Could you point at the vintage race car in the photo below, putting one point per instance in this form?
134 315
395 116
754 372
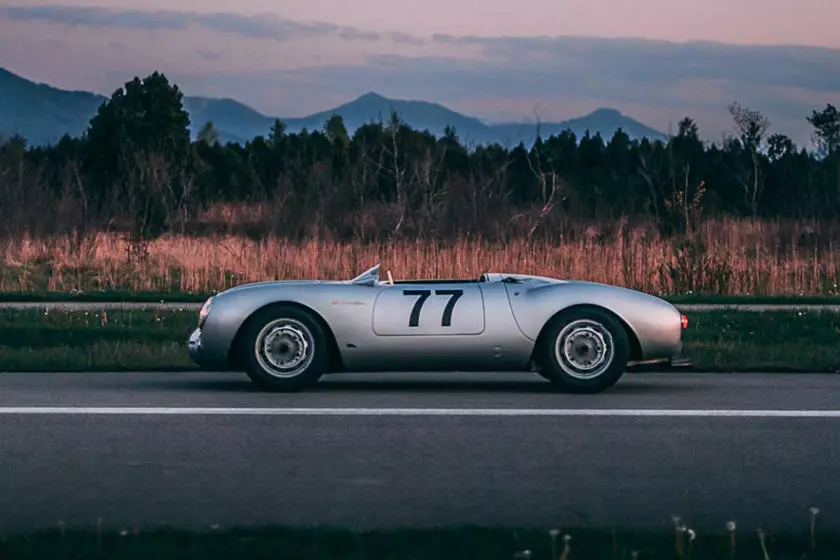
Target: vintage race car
582 336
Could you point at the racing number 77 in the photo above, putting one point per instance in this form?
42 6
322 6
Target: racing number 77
423 295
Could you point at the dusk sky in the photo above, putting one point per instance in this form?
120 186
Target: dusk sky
655 60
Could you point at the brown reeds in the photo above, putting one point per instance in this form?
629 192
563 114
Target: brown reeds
725 256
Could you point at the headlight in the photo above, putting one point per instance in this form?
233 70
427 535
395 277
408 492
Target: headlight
205 310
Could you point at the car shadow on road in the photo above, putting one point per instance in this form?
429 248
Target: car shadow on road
635 385
332 386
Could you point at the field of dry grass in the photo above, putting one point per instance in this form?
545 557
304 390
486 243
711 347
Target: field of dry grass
724 257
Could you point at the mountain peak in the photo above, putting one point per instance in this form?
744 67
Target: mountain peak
43 114
372 96
606 112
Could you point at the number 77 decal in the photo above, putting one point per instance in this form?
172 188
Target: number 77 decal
423 295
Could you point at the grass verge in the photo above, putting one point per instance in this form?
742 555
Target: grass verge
742 341
442 544
120 340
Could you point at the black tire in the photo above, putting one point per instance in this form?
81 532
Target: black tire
299 336
602 337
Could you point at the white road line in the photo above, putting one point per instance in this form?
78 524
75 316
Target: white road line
664 413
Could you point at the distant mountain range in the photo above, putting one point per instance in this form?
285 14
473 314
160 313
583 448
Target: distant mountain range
43 114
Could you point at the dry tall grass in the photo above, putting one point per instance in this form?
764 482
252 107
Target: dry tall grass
726 257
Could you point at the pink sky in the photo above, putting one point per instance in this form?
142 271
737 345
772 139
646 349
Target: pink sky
250 59
799 22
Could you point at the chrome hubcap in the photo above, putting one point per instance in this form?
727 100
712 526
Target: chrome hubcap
284 347
584 349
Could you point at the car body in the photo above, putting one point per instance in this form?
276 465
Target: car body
580 335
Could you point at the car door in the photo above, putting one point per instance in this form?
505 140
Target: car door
429 309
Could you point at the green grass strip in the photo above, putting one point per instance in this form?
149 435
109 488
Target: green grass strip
716 341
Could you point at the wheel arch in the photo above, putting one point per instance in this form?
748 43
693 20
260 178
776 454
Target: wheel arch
632 337
235 356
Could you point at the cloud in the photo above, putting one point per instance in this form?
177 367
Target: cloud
779 79
259 26
404 38
208 54
663 62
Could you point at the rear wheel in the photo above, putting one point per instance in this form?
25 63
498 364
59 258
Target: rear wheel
584 351
284 349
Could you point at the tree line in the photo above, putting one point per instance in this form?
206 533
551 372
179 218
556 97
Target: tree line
138 169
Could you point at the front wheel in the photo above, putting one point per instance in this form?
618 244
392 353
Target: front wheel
584 351
284 349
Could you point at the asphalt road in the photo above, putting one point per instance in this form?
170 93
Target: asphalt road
197 449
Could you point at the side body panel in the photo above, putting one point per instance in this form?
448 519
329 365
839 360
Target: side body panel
481 333
429 310
655 322
371 324
347 305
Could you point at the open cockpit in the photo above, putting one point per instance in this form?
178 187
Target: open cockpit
372 277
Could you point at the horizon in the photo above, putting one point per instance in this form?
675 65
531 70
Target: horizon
357 97
292 60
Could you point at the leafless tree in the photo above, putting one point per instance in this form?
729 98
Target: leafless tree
752 126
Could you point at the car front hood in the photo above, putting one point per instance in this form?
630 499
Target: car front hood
276 284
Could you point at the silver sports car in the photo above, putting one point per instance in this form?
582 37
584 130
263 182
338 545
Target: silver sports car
582 336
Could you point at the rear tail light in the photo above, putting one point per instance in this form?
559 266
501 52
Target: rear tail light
684 321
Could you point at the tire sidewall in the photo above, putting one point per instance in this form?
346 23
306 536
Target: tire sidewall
264 379
552 369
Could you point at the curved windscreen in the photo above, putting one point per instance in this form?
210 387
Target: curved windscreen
370 276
